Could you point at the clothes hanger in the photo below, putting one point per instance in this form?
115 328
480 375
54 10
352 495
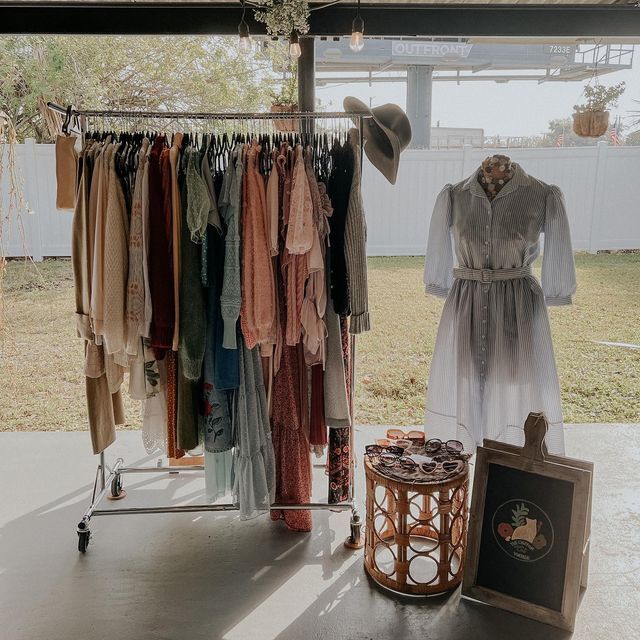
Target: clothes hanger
67 120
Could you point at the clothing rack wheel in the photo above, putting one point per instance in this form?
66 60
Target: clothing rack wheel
83 540
117 492
355 539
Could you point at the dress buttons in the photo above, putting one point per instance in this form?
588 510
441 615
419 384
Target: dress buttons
484 307
486 242
484 337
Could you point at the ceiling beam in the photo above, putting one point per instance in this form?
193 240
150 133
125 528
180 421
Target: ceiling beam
166 18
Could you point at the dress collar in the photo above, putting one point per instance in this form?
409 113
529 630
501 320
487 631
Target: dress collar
520 178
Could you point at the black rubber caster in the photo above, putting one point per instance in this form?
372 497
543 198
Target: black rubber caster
83 540
116 487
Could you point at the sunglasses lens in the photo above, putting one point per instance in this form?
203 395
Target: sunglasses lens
449 466
454 446
428 467
408 463
388 459
432 445
395 450
415 435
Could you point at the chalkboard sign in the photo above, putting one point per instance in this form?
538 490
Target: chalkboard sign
528 529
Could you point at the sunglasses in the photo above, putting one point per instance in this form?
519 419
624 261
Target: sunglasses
394 456
375 451
450 467
399 434
435 445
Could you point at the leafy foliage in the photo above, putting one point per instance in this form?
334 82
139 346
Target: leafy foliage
288 93
600 97
125 73
281 17
519 515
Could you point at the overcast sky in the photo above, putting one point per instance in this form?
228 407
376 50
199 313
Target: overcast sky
512 109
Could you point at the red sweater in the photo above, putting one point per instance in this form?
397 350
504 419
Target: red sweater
160 249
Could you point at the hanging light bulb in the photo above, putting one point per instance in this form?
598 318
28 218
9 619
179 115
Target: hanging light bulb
294 45
244 39
357 32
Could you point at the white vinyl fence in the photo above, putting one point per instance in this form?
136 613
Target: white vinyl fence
601 186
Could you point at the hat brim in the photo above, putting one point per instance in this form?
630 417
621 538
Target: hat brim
352 104
381 144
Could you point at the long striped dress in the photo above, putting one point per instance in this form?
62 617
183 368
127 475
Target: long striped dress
493 360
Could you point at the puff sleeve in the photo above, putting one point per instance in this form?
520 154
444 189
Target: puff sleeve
438 268
558 268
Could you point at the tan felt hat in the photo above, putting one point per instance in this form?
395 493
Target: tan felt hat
386 131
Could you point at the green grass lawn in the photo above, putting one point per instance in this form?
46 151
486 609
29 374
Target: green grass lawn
41 358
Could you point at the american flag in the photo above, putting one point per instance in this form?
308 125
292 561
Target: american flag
560 140
613 134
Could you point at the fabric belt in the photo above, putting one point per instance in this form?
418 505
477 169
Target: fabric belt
491 275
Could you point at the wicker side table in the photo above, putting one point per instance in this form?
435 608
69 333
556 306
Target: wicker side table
416 532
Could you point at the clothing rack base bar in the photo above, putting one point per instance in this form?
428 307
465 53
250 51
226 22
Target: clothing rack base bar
197 508
112 483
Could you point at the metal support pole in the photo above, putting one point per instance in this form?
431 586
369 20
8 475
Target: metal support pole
307 74
102 473
307 81
419 89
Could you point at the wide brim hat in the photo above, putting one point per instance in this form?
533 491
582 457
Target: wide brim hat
386 131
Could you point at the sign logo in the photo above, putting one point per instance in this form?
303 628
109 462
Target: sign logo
407 48
522 530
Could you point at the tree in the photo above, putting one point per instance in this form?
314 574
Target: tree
125 73
633 139
564 126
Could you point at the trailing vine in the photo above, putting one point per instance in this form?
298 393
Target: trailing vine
281 17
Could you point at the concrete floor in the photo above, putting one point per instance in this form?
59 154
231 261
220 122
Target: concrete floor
206 576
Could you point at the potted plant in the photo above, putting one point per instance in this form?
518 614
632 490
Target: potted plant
591 119
286 101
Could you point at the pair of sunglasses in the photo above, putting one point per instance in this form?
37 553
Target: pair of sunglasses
450 467
376 450
435 445
399 434
389 456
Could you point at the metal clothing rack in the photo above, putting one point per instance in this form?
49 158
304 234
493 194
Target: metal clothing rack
109 479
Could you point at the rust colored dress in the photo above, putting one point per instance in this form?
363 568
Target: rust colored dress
258 310
289 411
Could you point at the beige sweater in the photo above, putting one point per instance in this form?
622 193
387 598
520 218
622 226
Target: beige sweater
98 199
115 266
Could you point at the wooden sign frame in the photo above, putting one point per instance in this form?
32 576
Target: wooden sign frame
534 459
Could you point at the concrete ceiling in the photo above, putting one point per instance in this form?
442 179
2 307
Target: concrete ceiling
397 18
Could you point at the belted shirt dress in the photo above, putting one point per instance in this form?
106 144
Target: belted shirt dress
493 361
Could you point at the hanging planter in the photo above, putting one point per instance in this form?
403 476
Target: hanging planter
591 119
